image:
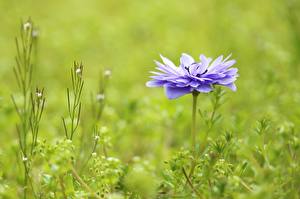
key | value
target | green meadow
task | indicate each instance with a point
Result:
(114, 137)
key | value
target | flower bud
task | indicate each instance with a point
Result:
(39, 94)
(69, 141)
(100, 97)
(107, 73)
(27, 25)
(78, 71)
(97, 137)
(35, 33)
(103, 129)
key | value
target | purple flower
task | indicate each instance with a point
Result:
(192, 76)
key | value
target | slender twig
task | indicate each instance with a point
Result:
(78, 178)
(190, 183)
(193, 132)
(193, 129)
(90, 156)
(74, 103)
(63, 189)
(28, 110)
(245, 185)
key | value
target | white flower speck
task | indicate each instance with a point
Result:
(107, 73)
(103, 129)
(35, 33)
(100, 97)
(27, 26)
(78, 71)
(39, 94)
(69, 141)
(97, 137)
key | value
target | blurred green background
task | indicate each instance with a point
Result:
(127, 35)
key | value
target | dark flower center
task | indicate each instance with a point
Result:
(187, 68)
(199, 75)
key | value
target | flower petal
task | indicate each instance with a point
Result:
(215, 63)
(231, 71)
(155, 83)
(186, 59)
(227, 57)
(194, 84)
(201, 69)
(173, 92)
(165, 68)
(168, 62)
(205, 88)
(225, 65)
(232, 86)
(205, 60)
(226, 80)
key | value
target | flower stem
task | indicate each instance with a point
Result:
(63, 189)
(79, 179)
(193, 129)
(193, 133)
(190, 183)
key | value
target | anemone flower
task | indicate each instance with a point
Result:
(193, 77)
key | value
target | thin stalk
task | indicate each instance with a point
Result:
(191, 184)
(193, 133)
(193, 129)
(25, 182)
(90, 156)
(245, 185)
(79, 179)
(63, 189)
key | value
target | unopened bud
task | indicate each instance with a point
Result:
(97, 137)
(39, 94)
(27, 26)
(78, 71)
(24, 159)
(103, 129)
(107, 73)
(100, 97)
(69, 141)
(35, 33)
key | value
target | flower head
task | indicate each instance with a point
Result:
(39, 93)
(107, 73)
(78, 71)
(97, 137)
(35, 33)
(192, 76)
(27, 25)
(100, 97)
(24, 159)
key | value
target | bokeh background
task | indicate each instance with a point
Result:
(126, 36)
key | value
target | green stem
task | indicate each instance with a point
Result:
(191, 184)
(193, 133)
(25, 183)
(63, 189)
(193, 129)
(79, 179)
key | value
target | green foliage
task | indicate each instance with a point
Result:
(105, 173)
(119, 140)
(140, 181)
(74, 102)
